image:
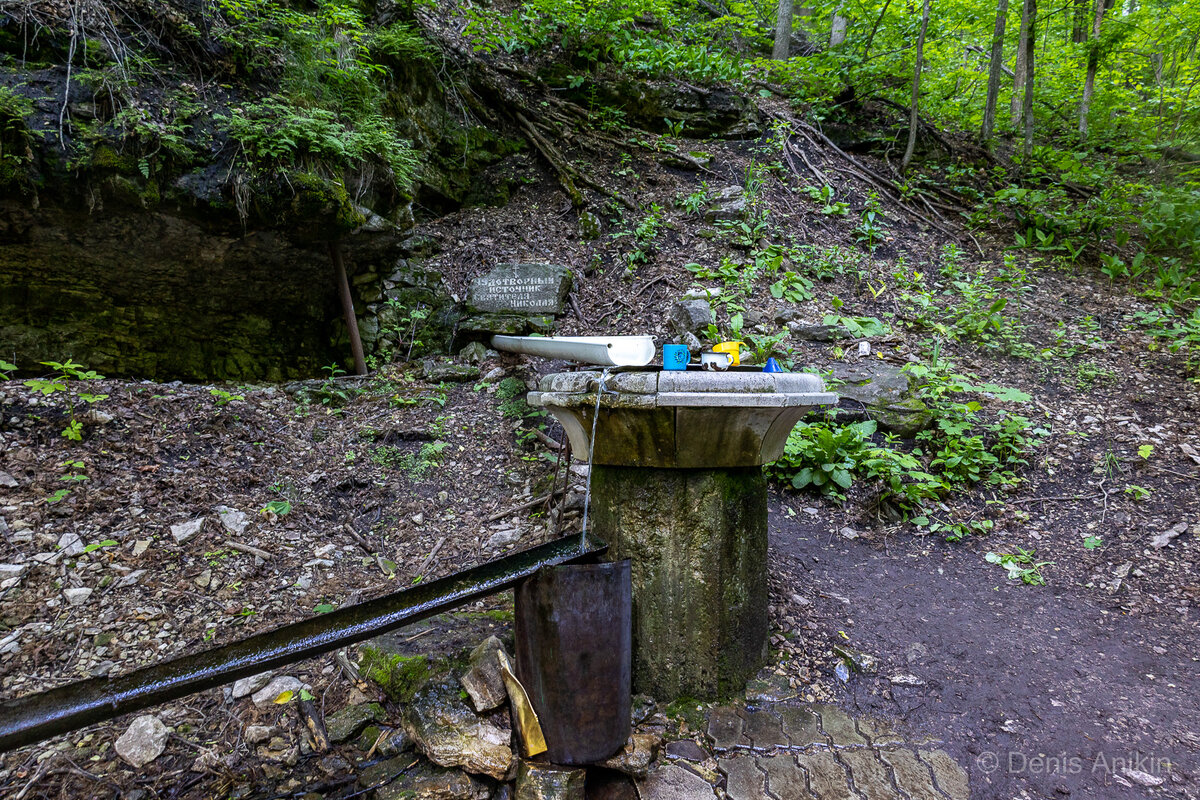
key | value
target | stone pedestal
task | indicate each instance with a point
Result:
(677, 487)
(698, 543)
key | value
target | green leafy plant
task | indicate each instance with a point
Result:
(1020, 565)
(224, 398)
(60, 382)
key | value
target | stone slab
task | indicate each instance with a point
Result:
(871, 778)
(949, 776)
(912, 775)
(785, 779)
(670, 782)
(826, 777)
(521, 288)
(743, 779)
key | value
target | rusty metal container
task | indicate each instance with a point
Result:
(574, 649)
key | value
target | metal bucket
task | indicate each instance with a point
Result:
(574, 645)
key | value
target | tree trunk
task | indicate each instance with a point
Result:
(1027, 104)
(1079, 21)
(783, 31)
(994, 69)
(837, 29)
(1019, 68)
(1089, 82)
(914, 119)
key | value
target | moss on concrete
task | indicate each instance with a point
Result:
(698, 541)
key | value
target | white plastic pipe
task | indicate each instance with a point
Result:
(603, 351)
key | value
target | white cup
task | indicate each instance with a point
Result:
(714, 361)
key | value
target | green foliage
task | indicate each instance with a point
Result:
(399, 676)
(329, 108)
(61, 382)
(1020, 565)
(276, 133)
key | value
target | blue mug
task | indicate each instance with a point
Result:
(676, 356)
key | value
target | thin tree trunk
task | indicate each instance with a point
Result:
(783, 31)
(994, 68)
(875, 28)
(837, 29)
(1027, 103)
(914, 118)
(356, 348)
(1019, 69)
(1079, 22)
(1089, 83)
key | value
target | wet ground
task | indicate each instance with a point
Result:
(1038, 691)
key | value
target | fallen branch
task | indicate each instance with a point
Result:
(526, 505)
(429, 558)
(245, 548)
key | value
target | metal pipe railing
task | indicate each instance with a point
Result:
(30, 719)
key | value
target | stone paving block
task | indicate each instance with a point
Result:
(912, 775)
(826, 777)
(871, 778)
(725, 729)
(839, 726)
(949, 776)
(785, 779)
(671, 782)
(743, 779)
(764, 730)
(801, 727)
(878, 732)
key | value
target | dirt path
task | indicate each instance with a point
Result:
(1041, 690)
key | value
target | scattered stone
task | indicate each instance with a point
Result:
(1166, 537)
(536, 781)
(418, 518)
(77, 596)
(1142, 778)
(689, 316)
(232, 520)
(140, 546)
(503, 538)
(352, 719)
(245, 686)
(450, 735)
(857, 660)
(439, 370)
(864, 349)
(207, 761)
(7, 481)
(482, 680)
(903, 679)
(885, 391)
(203, 579)
(257, 734)
(476, 353)
(97, 417)
(185, 531)
(687, 750)
(672, 782)
(69, 544)
(425, 781)
(848, 533)
(727, 204)
(818, 332)
(635, 757)
(143, 741)
(10, 571)
(269, 693)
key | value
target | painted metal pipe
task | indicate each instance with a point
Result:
(603, 351)
(30, 719)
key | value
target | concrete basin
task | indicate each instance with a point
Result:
(684, 419)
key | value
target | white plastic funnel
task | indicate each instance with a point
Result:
(603, 351)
